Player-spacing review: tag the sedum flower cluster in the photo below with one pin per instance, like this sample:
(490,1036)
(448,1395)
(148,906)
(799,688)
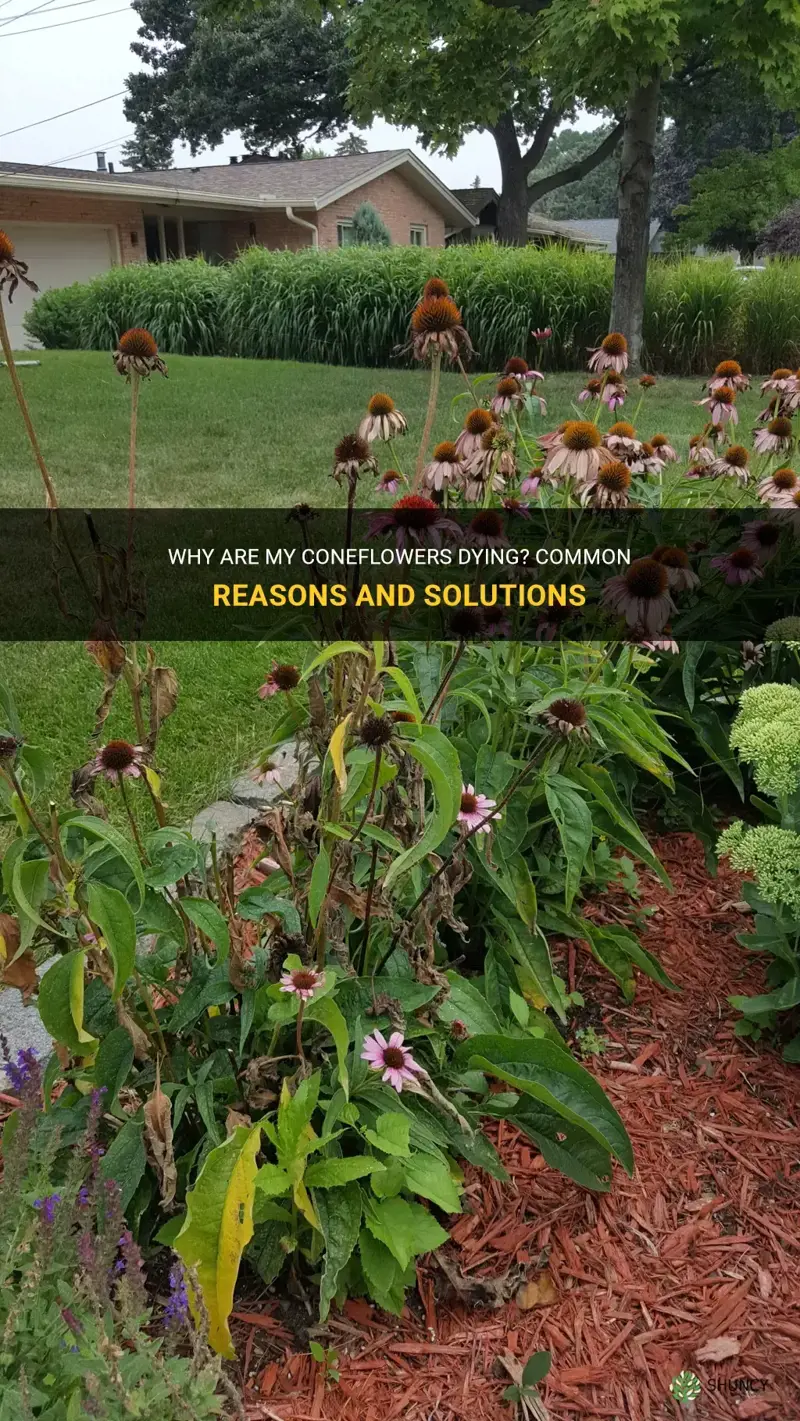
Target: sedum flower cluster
(772,854)
(766,734)
(786,630)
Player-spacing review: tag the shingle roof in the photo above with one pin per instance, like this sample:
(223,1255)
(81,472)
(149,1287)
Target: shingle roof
(475,198)
(603,230)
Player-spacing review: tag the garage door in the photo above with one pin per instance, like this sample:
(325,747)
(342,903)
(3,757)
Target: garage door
(57,254)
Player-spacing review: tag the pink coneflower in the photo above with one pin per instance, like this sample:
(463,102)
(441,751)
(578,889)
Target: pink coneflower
(542,333)
(515,508)
(530,483)
(663,448)
(445,469)
(281,678)
(578,454)
(474,809)
(436,327)
(780,381)
(740,566)
(665,643)
(118,758)
(508,396)
(752,654)
(641,596)
(495,462)
(486,530)
(611,354)
(590,391)
(267,774)
(777,490)
(351,456)
(303,982)
(762,538)
(728,372)
(476,424)
(389,482)
(776,438)
(382,420)
(675,562)
(733,463)
(608,487)
(414,520)
(614,390)
(721,405)
(495,622)
(137,354)
(567,716)
(391,1057)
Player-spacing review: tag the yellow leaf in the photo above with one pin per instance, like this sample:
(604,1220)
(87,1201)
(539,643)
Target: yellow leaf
(213,1011)
(303,1202)
(153,779)
(540,1292)
(336,750)
(218,1227)
(76,1001)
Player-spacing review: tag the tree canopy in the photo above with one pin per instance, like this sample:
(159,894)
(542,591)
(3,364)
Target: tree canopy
(735,198)
(594,195)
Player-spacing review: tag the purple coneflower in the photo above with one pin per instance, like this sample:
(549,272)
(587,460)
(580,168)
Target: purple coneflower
(267,774)
(389,482)
(391,1057)
(776,438)
(12,270)
(611,354)
(614,391)
(495,461)
(620,439)
(542,333)
(675,561)
(740,566)
(777,490)
(303,982)
(752,654)
(351,456)
(728,372)
(780,381)
(530,483)
(646,461)
(721,405)
(118,758)
(414,519)
(733,463)
(382,420)
(590,391)
(281,678)
(474,809)
(568,717)
(495,622)
(664,450)
(578,454)
(699,450)
(137,354)
(665,643)
(486,530)
(647,381)
(608,487)
(516,509)
(762,538)
(508,396)
(641,596)
(436,327)
(476,424)
(445,469)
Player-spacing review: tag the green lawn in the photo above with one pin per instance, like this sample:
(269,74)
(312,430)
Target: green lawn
(216,432)
(245,433)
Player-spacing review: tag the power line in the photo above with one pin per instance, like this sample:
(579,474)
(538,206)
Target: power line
(73,5)
(40,29)
(98,147)
(45,6)
(65,114)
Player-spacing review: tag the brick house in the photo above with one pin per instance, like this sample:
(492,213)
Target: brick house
(71,224)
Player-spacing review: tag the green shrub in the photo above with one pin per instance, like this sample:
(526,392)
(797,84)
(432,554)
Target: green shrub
(180,303)
(369,228)
(694,316)
(55,318)
(771,316)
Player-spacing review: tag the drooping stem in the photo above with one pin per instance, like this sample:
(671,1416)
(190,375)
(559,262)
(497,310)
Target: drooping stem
(131,817)
(441,690)
(5,342)
(433,400)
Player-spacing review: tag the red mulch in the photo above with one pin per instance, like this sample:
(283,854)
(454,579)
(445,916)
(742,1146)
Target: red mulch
(703,1243)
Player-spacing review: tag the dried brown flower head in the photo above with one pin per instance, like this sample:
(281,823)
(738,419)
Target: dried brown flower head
(137,354)
(12,270)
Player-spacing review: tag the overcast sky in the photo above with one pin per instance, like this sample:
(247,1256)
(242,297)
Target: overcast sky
(79,50)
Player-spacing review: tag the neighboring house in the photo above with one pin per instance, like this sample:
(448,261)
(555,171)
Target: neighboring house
(71,224)
(482,203)
(602,233)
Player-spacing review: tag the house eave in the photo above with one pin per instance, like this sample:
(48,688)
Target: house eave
(405,157)
(147,193)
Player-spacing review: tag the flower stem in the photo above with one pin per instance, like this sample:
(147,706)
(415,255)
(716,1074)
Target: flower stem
(441,691)
(132,466)
(433,400)
(299,1034)
(5,342)
(131,818)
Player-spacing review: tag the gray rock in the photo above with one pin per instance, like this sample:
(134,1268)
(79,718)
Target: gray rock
(22,1026)
(256,796)
(228,821)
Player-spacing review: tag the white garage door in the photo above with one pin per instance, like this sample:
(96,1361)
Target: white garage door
(57,254)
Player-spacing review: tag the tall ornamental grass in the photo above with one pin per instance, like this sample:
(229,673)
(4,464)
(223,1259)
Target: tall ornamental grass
(352,307)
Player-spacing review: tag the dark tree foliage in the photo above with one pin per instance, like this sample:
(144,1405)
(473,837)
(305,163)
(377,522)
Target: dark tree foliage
(596,193)
(278,75)
(781,236)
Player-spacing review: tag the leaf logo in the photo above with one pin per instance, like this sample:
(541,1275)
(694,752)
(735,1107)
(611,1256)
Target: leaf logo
(686,1387)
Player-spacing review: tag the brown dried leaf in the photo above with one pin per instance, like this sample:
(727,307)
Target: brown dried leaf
(234,1119)
(140,1039)
(162,685)
(9,936)
(21,973)
(718,1349)
(158,1139)
(476,1291)
(540,1292)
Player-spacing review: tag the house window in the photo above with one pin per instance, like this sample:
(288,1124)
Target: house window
(344,234)
(418,236)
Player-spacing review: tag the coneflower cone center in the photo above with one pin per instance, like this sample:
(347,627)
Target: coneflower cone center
(394,1058)
(469,803)
(117,755)
(580,435)
(646,578)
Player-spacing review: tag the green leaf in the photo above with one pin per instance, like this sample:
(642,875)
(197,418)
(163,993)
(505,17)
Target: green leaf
(551,1075)
(536,1368)
(617,949)
(382,1273)
(467,1003)
(406,690)
(107,834)
(333,1172)
(325,1011)
(406,1229)
(110,910)
(574,823)
(207,917)
(256,903)
(27,885)
(564,1145)
(390,1134)
(440,762)
(524,890)
(219,1223)
(615,822)
(125,1160)
(712,735)
(112,1064)
(206,990)
(692,655)
(272,1181)
(169,1231)
(320,879)
(60,1003)
(336,648)
(432,1179)
(533,968)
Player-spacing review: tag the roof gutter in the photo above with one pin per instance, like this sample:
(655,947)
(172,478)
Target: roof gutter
(138,192)
(301,222)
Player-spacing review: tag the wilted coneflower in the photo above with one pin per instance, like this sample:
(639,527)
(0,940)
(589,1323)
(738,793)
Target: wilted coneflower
(10,745)
(699,450)
(474,809)
(647,381)
(435,286)
(445,469)
(508,396)
(486,530)
(517,365)
(675,561)
(437,329)
(778,489)
(762,537)
(608,487)
(740,566)
(567,716)
(614,390)
(664,449)
(579,453)
(530,483)
(620,439)
(733,463)
(137,354)
(389,482)
(351,457)
(665,643)
(780,381)
(699,470)
(12,270)
(466,624)
(515,508)
(382,420)
(414,519)
(468,443)
(721,405)
(641,596)
(728,372)
(495,462)
(590,391)
(610,354)
(376,731)
(282,677)
(118,758)
(646,461)
(776,438)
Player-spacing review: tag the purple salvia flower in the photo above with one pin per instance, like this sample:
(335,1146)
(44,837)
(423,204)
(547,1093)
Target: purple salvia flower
(25,1070)
(75,1327)
(176,1312)
(47,1207)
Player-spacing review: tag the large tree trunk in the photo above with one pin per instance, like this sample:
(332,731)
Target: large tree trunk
(633,232)
(512,209)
